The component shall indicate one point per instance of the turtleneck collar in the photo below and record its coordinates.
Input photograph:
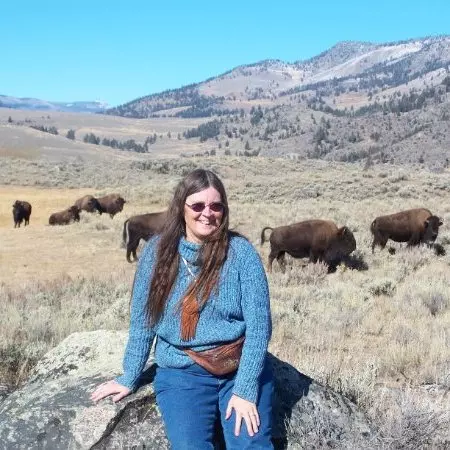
(188, 250)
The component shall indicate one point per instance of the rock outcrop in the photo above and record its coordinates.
(53, 410)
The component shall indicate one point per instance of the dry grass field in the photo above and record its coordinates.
(18, 140)
(40, 251)
(377, 330)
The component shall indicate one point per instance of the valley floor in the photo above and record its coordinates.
(380, 336)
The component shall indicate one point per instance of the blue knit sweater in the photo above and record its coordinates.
(240, 306)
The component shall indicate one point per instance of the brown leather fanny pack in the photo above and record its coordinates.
(220, 360)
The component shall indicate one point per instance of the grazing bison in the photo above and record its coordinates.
(318, 240)
(21, 212)
(111, 204)
(414, 226)
(88, 203)
(140, 227)
(71, 214)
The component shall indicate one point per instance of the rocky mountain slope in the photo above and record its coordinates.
(356, 101)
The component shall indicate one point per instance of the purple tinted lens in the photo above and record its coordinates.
(197, 207)
(216, 207)
(200, 206)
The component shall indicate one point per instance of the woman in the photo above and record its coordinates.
(197, 287)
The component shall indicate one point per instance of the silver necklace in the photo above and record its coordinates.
(188, 268)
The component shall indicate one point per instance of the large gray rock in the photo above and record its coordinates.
(53, 410)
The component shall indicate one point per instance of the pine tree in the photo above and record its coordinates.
(71, 134)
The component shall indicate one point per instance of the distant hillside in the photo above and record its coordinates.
(347, 65)
(355, 101)
(43, 105)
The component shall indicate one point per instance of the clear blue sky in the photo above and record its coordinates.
(117, 51)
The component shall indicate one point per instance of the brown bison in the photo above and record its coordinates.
(414, 226)
(318, 240)
(111, 204)
(88, 203)
(139, 227)
(71, 214)
(21, 212)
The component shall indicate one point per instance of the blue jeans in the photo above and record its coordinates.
(191, 400)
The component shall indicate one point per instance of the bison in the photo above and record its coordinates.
(71, 214)
(318, 240)
(139, 227)
(414, 226)
(88, 203)
(21, 212)
(111, 204)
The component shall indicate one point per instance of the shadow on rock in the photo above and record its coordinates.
(53, 410)
(290, 387)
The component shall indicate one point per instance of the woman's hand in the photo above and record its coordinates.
(110, 388)
(244, 410)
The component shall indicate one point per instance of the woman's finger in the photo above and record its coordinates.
(254, 420)
(248, 422)
(229, 411)
(95, 394)
(100, 388)
(119, 396)
(237, 426)
(104, 390)
(98, 391)
(99, 395)
(113, 388)
(257, 418)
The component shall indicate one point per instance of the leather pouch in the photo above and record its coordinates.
(220, 360)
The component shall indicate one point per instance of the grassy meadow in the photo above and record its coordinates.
(378, 330)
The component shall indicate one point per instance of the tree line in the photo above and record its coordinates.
(204, 131)
(128, 145)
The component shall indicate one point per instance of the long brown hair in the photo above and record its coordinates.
(212, 253)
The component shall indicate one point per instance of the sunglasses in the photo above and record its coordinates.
(200, 206)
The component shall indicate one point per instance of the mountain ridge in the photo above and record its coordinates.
(34, 104)
(269, 79)
(357, 101)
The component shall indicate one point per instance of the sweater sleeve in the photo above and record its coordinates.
(258, 324)
(141, 336)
